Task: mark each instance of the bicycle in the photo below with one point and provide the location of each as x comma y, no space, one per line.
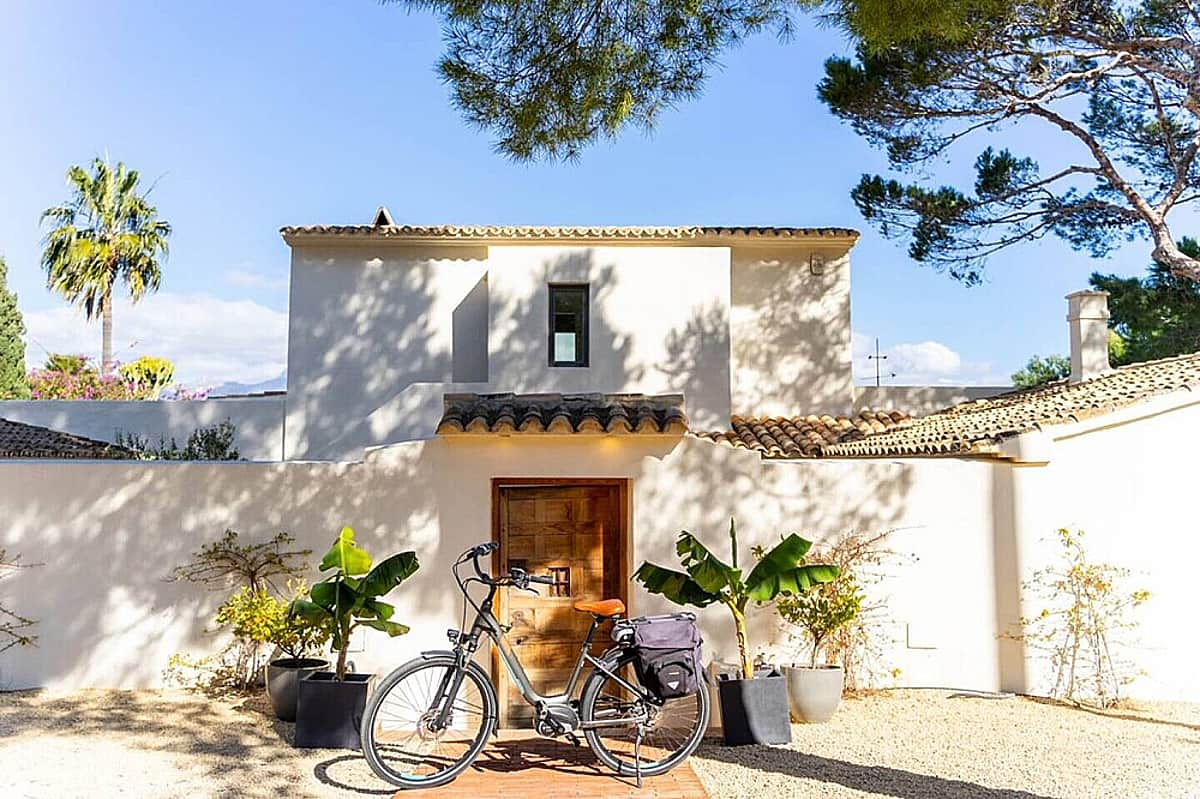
431,717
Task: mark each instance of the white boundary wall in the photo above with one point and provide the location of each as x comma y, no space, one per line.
919,400
107,533
259,420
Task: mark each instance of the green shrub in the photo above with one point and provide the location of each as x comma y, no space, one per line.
823,611
213,443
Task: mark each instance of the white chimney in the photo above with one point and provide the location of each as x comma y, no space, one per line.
1087,314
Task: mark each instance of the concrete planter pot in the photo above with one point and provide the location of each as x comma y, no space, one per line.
814,693
754,711
283,683
329,713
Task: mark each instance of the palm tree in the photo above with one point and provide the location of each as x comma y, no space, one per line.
106,233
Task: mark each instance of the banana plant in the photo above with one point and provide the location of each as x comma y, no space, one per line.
349,597
707,580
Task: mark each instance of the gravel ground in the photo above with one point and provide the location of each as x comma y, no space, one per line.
904,745
911,744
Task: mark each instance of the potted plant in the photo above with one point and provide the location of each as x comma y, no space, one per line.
815,690
330,705
754,707
298,638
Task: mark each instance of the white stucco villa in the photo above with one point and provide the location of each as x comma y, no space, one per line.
580,395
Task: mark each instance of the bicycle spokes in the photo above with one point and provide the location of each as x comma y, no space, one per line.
420,730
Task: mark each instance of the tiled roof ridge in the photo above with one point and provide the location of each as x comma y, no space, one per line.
551,232
968,429
23,440
976,427
558,413
803,436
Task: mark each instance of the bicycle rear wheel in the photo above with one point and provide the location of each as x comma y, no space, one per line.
401,738
671,733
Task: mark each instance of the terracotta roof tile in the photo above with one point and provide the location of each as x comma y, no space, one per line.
551,233
802,436
973,428
977,427
19,440
562,414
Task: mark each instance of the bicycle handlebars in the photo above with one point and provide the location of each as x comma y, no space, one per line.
516,576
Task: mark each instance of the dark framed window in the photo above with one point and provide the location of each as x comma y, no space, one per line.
568,325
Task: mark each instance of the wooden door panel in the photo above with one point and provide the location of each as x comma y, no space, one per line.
572,532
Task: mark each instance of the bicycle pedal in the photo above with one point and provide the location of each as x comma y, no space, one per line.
574,740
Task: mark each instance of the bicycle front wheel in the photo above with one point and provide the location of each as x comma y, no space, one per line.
418,732
670,731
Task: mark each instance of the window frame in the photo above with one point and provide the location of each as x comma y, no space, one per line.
583,344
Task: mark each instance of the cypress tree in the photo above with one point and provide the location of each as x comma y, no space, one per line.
13,384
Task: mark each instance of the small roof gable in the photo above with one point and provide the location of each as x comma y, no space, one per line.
383,218
19,440
611,414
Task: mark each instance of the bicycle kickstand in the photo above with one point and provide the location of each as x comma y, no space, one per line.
637,756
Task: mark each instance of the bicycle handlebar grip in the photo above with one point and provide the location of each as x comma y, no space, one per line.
486,547
544,579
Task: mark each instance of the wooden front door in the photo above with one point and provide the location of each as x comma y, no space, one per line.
574,532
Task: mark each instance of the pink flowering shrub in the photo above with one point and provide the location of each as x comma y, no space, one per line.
82,382
73,377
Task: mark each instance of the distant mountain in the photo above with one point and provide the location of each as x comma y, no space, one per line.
278,383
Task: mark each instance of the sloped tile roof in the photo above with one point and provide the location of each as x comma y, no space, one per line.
612,414
973,428
551,233
977,427
19,440
802,436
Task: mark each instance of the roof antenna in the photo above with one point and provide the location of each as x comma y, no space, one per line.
879,359
383,218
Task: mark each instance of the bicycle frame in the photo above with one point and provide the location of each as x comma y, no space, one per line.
559,706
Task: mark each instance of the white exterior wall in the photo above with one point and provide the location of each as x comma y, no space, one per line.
380,330
108,618
259,420
919,400
790,330
367,322
107,533
1130,486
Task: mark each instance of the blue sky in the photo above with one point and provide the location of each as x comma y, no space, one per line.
251,116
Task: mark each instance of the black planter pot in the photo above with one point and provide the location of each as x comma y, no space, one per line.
755,711
283,683
329,712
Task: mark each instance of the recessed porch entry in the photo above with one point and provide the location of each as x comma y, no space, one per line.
575,530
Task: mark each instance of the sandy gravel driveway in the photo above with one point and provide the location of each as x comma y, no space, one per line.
906,745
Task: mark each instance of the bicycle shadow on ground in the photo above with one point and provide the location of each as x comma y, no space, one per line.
500,757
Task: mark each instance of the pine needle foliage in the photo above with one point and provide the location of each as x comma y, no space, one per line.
13,384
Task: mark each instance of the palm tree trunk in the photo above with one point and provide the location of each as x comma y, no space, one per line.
106,347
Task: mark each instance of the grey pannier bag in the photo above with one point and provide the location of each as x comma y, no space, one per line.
668,662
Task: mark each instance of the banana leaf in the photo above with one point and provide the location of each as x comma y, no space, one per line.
675,586
709,571
389,573
346,555
390,627
795,581
787,554
336,597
